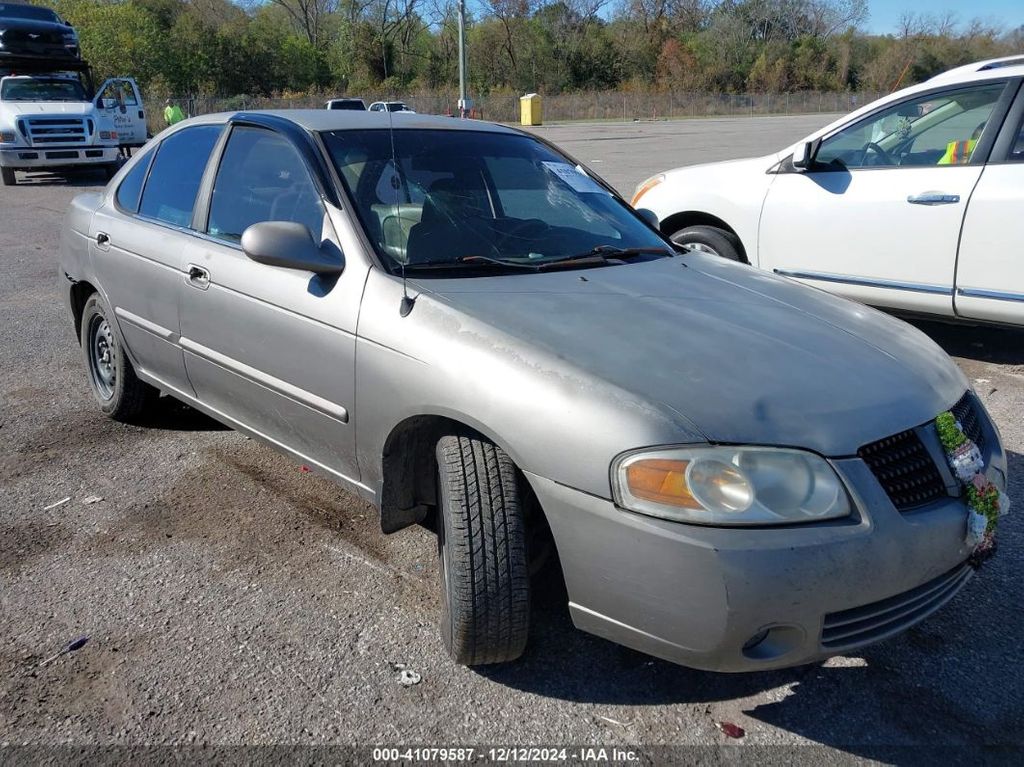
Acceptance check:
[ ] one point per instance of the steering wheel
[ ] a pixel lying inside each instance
(872, 146)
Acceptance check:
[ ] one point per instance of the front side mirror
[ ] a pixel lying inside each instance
(650, 217)
(804, 157)
(290, 245)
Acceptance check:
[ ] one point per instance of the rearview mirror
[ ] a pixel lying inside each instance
(290, 245)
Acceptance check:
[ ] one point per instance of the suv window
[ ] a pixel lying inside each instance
(262, 177)
(170, 192)
(130, 190)
(936, 129)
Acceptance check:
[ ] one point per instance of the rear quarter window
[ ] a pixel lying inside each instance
(130, 190)
(170, 192)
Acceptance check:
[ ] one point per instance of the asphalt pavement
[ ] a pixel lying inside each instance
(229, 597)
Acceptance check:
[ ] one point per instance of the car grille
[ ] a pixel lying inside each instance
(905, 470)
(877, 620)
(57, 130)
(965, 412)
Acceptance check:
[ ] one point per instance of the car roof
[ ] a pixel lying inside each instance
(1007, 66)
(318, 120)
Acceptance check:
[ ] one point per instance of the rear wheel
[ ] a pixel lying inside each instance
(9, 178)
(710, 240)
(485, 577)
(122, 396)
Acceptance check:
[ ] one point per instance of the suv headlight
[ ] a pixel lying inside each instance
(644, 187)
(730, 485)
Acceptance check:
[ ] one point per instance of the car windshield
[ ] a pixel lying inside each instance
(449, 197)
(35, 89)
(9, 11)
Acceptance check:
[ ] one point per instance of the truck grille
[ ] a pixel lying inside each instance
(967, 414)
(56, 130)
(877, 620)
(905, 470)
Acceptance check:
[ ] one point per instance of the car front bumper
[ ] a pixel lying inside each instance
(704, 596)
(53, 157)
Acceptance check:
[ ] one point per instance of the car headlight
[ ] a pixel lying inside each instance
(645, 187)
(730, 485)
(8, 137)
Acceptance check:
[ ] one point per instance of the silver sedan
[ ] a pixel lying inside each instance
(474, 332)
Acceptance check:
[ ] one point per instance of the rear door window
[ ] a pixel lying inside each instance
(170, 192)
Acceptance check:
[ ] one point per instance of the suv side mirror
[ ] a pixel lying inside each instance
(288, 244)
(803, 158)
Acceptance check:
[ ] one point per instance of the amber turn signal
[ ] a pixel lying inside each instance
(661, 481)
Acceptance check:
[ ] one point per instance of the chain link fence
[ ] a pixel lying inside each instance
(595, 105)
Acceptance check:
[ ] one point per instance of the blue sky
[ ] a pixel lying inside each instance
(1006, 14)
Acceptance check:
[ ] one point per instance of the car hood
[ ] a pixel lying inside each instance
(745, 356)
(34, 25)
(81, 108)
(760, 164)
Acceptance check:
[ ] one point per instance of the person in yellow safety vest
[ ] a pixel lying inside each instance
(172, 113)
(959, 152)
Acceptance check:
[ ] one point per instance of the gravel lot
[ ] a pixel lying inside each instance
(231, 598)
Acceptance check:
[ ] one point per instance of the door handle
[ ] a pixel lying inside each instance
(198, 277)
(102, 238)
(933, 198)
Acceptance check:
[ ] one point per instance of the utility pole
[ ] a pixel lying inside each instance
(464, 103)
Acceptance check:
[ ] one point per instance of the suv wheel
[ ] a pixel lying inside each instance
(710, 240)
(485, 575)
(8, 176)
(122, 396)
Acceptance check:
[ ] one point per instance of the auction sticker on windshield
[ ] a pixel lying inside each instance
(574, 177)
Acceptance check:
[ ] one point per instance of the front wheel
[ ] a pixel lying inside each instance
(122, 396)
(485, 575)
(710, 240)
(9, 178)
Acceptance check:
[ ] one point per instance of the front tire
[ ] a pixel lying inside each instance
(485, 575)
(9, 178)
(710, 240)
(120, 393)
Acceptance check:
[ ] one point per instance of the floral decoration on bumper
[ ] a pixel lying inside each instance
(985, 502)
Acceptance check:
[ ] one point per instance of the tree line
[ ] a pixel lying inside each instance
(265, 47)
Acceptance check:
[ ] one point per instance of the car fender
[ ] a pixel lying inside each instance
(732, 192)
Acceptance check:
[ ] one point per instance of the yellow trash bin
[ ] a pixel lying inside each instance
(529, 109)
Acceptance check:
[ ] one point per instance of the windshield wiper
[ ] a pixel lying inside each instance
(602, 255)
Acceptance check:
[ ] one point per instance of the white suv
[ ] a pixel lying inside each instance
(913, 202)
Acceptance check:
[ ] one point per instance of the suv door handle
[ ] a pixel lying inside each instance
(933, 198)
(198, 277)
(102, 238)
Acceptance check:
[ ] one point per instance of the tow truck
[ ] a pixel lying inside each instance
(51, 118)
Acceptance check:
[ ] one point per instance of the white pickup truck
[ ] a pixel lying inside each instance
(51, 122)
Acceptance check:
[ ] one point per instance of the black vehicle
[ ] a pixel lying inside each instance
(355, 105)
(29, 30)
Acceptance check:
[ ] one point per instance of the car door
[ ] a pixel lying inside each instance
(138, 245)
(990, 265)
(119, 99)
(878, 214)
(270, 347)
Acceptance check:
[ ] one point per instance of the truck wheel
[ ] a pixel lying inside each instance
(122, 396)
(710, 240)
(8, 176)
(485, 576)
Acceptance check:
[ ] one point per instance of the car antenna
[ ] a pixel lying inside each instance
(407, 301)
